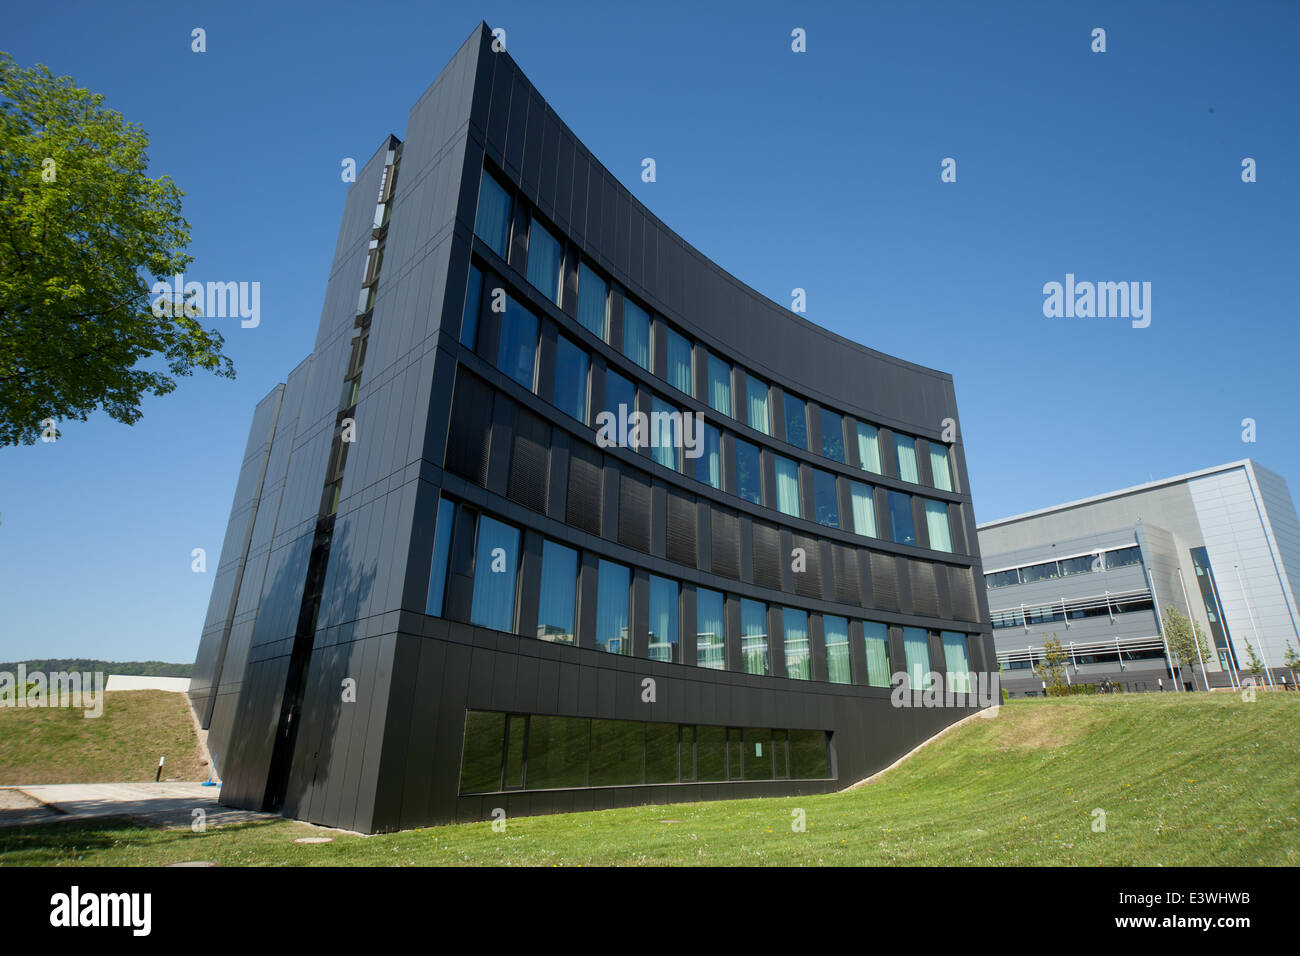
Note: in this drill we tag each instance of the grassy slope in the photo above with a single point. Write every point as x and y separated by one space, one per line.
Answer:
1184 779
60 745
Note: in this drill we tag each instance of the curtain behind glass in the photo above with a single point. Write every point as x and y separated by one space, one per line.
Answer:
664 645
877 653
710 630
636 333
864 509
559 585
956 662
753 637
756 397
612 633
916 650
492 221
720 386
787 486
936 523
593 299
836 631
663 434
939 467
493 603
544 254
798 663
869 448
708 467
679 363
906 447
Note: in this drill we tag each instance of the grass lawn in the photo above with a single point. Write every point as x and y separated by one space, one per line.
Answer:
1184 779
122 745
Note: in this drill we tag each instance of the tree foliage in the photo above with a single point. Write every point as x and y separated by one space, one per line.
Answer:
1185 637
83 232
1052 667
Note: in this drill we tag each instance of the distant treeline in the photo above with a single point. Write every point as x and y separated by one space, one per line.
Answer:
134 668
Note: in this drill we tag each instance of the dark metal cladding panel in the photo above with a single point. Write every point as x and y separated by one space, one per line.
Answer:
725 543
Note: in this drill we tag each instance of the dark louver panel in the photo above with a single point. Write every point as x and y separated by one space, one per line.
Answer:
961 585
529 461
681 529
767 556
925 599
634 511
471 424
884 581
846 575
582 505
725 537
809 581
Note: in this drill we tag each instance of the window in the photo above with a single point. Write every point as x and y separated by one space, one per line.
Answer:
900 518
664 643
593 302
796 422
1123 558
939 466
545 259
936 524
559 586
679 361
710 630
612 631
916 649
719 386
864 509
517 351
617 752
496 563
753 637
480 767
756 398
1039 572
826 498
787 486
619 392
798 662
869 448
809 759
905 445
832 436
708 467
836 633
441 550
748 477
557 752
877 637
469 319
492 220
956 662
1002 579
570 379
1078 565
756 747
636 333
665 433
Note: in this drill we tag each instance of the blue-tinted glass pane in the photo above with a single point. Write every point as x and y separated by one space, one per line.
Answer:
636 333
612 631
753 637
492 221
748 477
496 561
719 386
832 436
441 549
787 486
517 349
619 392
679 362
796 421
710 630
708 467
900 518
559 586
570 379
664 643
593 302
826 499
544 255
665 433
469 318
798 663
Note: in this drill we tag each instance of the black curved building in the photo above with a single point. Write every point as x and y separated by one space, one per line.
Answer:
451 583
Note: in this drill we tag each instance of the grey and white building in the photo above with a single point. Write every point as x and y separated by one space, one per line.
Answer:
1221 545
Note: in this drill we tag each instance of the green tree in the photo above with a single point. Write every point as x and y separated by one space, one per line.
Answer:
1256 665
1291 660
82 230
1185 639
1052 667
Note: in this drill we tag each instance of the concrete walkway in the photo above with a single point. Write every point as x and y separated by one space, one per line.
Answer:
155 804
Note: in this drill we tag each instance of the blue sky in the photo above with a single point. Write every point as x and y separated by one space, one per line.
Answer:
818 170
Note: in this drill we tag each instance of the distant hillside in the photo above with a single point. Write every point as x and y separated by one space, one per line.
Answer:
134 668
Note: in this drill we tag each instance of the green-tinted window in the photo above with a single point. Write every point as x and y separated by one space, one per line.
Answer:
808 755
757 754
877 636
480 765
660 753
687 753
710 753
617 752
516 729
836 633
780 757
735 751
916 650
557 752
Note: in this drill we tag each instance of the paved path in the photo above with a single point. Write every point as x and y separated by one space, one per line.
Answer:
157 804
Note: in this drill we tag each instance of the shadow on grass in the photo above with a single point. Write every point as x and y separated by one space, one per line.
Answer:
58 841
